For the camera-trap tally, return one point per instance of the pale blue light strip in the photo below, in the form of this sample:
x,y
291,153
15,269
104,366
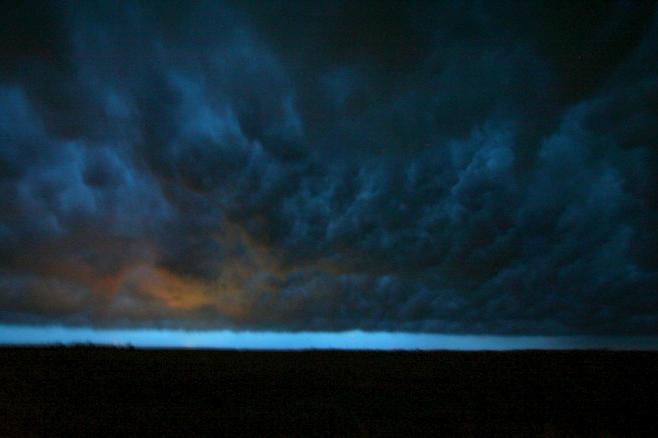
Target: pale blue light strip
x,y
350,340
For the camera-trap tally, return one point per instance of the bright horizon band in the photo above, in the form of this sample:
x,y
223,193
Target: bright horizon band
x,y
348,340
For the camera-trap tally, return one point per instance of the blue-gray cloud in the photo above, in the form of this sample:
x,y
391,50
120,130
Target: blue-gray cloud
x,y
371,165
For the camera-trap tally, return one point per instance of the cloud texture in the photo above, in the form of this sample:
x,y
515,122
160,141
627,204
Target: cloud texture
x,y
366,165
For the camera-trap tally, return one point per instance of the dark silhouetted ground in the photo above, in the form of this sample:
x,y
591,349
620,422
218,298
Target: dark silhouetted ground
x,y
106,391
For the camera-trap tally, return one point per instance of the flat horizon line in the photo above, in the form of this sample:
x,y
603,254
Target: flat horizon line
x,y
129,348
32,335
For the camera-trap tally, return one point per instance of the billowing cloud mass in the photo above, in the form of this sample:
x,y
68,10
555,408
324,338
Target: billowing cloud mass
x,y
488,167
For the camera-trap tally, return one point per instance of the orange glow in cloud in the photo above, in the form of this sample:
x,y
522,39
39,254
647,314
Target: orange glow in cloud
x,y
244,287
174,291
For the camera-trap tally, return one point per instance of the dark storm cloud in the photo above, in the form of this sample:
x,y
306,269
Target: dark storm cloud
x,y
294,166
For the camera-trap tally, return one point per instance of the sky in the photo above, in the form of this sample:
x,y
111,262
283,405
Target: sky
x,y
346,340
305,169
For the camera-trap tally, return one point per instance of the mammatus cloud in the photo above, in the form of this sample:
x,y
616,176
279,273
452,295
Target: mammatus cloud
x,y
467,169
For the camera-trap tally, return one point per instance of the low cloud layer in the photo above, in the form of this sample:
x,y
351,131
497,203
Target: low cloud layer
x,y
352,165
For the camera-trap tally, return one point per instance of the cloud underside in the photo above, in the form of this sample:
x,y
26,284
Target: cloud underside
x,y
348,166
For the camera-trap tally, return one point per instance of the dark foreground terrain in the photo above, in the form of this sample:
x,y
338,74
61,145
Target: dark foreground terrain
x,y
106,391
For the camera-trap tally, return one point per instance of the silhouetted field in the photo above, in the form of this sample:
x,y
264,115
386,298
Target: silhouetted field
x,y
107,391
